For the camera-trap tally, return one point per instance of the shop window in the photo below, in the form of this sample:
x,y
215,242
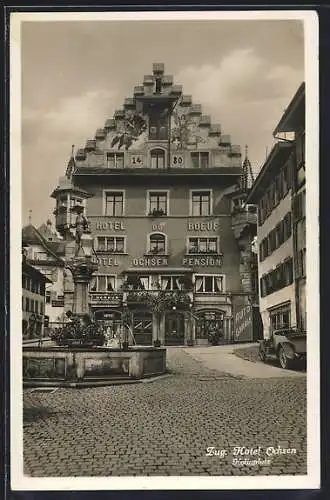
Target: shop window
x,y
202,245
200,159
200,203
114,203
115,160
157,243
209,284
207,322
103,283
112,244
157,157
157,203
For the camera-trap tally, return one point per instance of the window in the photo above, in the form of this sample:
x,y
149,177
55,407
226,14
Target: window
x,y
171,283
301,263
41,308
40,256
48,296
114,203
280,318
157,158
201,203
103,283
115,160
157,203
113,244
27,304
300,150
299,205
287,226
276,279
203,245
158,124
36,306
279,231
209,284
157,243
31,305
200,160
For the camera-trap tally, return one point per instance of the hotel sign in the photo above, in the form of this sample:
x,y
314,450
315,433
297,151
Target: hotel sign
x,y
203,261
243,323
110,226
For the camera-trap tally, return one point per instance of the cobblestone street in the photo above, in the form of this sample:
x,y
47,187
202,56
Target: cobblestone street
x,y
165,427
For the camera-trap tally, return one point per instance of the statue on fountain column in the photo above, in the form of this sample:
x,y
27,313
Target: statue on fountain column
x,y
82,228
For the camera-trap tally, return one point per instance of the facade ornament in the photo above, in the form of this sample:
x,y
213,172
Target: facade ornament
x,y
134,124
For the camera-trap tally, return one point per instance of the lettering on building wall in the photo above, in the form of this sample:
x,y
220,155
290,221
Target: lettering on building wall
x,y
110,226
201,261
203,226
150,262
106,261
158,227
243,322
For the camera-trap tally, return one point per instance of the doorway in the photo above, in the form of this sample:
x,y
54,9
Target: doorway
x,y
174,328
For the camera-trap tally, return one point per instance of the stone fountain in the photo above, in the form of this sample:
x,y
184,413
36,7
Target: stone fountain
x,y
80,359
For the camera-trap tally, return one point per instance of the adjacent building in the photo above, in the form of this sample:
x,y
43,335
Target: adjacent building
x,y
279,192
33,300
45,252
156,184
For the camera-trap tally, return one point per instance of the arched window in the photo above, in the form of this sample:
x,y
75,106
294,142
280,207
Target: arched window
x,y
157,243
157,158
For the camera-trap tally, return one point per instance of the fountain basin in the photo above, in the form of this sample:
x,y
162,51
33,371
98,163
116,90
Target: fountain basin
x,y
79,366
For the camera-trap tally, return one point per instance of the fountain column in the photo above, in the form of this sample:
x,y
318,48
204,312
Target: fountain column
x,y
82,269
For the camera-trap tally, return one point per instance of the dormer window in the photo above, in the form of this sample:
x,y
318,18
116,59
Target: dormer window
x,y
158,124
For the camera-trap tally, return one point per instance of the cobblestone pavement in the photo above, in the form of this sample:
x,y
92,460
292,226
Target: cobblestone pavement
x,y
164,427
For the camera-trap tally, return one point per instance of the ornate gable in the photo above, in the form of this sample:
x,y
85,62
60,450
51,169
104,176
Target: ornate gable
x,y
158,115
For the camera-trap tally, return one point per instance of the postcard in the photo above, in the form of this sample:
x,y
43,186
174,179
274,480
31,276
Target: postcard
x,y
164,250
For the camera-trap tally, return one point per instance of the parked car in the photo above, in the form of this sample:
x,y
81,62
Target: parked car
x,y
287,345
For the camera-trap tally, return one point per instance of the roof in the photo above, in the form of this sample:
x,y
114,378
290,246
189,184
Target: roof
x,y
65,185
31,236
277,157
46,232
294,114
30,270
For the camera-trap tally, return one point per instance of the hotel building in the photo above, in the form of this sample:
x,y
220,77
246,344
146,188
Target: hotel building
x,y
156,184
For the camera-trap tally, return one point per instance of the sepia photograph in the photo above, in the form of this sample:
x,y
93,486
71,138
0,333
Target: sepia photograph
x,y
164,250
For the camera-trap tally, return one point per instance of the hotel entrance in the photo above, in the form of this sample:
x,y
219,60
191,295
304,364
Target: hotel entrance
x,y
174,328
207,323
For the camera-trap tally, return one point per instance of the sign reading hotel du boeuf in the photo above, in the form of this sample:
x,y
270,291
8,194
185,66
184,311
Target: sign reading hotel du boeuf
x,y
243,323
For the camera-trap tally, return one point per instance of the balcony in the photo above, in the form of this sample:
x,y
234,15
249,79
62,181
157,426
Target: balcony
x,y
242,219
106,298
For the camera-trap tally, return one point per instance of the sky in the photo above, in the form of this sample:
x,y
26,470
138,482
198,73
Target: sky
x,y
75,74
